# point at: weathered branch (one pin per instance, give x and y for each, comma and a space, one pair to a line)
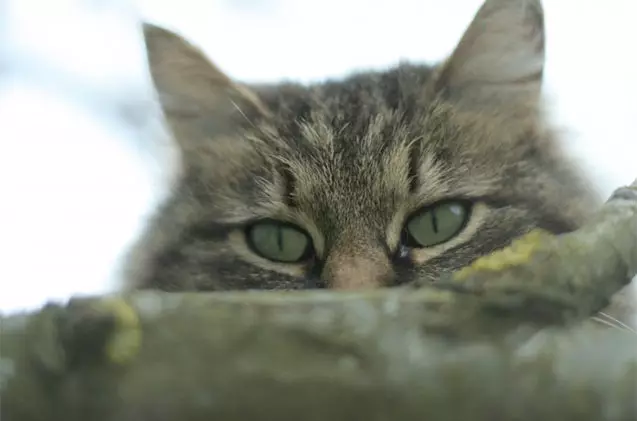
457, 349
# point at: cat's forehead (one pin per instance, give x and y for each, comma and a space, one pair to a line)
335, 170
351, 104
343, 149
350, 129
367, 144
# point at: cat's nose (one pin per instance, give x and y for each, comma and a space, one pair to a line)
357, 272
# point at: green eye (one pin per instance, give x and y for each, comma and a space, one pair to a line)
437, 224
279, 241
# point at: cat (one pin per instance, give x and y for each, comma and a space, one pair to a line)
379, 179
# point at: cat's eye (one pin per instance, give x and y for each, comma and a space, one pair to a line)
279, 241
437, 224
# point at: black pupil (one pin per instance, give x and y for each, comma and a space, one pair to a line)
434, 221
279, 238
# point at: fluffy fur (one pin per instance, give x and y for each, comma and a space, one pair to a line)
349, 160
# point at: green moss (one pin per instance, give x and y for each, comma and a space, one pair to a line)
126, 338
518, 253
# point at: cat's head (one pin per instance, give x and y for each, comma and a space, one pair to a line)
380, 179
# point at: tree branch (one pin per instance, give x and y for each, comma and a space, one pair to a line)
466, 347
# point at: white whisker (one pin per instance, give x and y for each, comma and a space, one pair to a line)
244, 115
605, 322
617, 322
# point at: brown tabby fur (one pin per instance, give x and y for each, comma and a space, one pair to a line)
349, 160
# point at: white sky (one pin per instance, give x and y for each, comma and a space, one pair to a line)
70, 210
77, 180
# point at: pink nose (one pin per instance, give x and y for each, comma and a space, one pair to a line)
356, 272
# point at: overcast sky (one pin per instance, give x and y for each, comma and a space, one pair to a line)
71, 209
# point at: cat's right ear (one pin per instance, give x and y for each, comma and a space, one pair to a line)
500, 57
184, 76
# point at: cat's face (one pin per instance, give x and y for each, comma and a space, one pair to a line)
381, 179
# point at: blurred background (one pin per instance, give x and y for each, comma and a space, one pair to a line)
73, 201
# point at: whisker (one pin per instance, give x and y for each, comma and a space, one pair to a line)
244, 115
618, 322
607, 323
612, 324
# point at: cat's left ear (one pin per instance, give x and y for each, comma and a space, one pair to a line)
500, 57
183, 75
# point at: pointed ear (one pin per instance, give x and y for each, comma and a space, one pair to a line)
184, 76
500, 56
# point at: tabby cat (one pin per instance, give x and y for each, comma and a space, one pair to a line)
381, 179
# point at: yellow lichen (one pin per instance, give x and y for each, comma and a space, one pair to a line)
518, 253
125, 340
